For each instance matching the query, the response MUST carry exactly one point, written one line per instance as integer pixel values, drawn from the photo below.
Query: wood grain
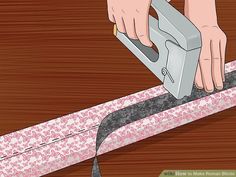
(58, 57)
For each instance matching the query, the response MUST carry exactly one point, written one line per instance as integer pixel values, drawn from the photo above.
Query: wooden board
(59, 57)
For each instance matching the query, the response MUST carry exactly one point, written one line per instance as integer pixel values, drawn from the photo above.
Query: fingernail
(150, 44)
(219, 87)
(198, 86)
(209, 90)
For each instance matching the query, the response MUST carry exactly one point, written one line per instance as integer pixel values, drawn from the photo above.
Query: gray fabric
(144, 109)
(95, 170)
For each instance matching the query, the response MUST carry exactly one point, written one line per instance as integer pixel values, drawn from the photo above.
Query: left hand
(211, 66)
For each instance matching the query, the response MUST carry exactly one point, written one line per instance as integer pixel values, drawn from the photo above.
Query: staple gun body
(179, 44)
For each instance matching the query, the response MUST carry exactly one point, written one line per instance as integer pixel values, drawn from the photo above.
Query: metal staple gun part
(179, 44)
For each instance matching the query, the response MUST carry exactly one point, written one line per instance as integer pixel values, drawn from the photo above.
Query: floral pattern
(70, 139)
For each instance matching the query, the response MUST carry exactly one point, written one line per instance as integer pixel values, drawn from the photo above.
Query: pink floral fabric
(61, 142)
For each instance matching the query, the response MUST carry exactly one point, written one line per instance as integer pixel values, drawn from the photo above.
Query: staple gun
(179, 45)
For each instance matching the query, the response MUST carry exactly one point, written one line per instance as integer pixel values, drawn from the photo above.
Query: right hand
(131, 17)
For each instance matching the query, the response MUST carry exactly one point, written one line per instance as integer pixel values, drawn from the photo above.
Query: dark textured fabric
(95, 170)
(147, 108)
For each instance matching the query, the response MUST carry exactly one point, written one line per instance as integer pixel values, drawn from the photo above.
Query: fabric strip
(70, 139)
(138, 111)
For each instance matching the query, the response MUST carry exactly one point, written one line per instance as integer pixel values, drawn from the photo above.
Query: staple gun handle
(177, 25)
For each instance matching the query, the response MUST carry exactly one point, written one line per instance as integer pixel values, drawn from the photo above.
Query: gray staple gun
(179, 44)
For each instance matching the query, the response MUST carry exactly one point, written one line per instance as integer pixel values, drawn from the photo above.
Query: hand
(211, 67)
(131, 17)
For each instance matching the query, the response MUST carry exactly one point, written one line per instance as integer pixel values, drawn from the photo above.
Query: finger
(222, 54)
(130, 28)
(112, 18)
(120, 24)
(205, 66)
(111, 15)
(198, 78)
(216, 64)
(142, 29)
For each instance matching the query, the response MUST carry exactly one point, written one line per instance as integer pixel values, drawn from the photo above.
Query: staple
(95, 125)
(85, 130)
(42, 144)
(4, 156)
(68, 135)
(81, 130)
(55, 139)
(28, 148)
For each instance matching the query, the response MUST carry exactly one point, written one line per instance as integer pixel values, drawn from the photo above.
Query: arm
(210, 71)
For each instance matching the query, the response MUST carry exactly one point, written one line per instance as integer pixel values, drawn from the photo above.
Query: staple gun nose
(179, 45)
